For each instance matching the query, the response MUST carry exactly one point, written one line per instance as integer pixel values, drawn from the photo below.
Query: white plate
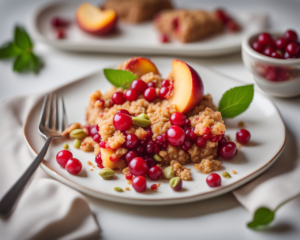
(261, 119)
(136, 39)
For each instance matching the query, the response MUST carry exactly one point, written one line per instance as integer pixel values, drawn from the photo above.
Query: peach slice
(188, 87)
(93, 20)
(139, 66)
(105, 156)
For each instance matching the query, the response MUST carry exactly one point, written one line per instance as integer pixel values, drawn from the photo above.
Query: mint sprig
(21, 49)
(119, 78)
(235, 101)
(262, 217)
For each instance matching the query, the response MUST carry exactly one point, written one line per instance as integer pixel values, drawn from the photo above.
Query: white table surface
(218, 218)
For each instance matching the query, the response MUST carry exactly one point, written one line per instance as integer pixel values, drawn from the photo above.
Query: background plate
(261, 119)
(136, 39)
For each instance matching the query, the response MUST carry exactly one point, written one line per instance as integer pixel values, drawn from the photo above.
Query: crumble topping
(208, 165)
(181, 171)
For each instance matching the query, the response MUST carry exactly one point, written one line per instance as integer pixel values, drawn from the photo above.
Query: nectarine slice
(105, 156)
(139, 66)
(94, 20)
(188, 87)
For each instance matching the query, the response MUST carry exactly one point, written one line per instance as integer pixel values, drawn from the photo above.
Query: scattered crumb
(94, 166)
(208, 165)
(181, 171)
(158, 185)
(129, 181)
(196, 186)
(238, 144)
(228, 138)
(241, 124)
(233, 171)
(127, 188)
(89, 163)
(91, 169)
(125, 170)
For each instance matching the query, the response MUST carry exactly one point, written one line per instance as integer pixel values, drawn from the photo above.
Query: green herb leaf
(262, 217)
(22, 39)
(22, 62)
(119, 78)
(236, 100)
(9, 50)
(35, 63)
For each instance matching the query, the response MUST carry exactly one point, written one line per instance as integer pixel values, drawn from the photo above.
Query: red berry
(258, 47)
(140, 149)
(130, 155)
(62, 157)
(207, 136)
(286, 55)
(122, 121)
(149, 134)
(292, 49)
(232, 26)
(187, 123)
(131, 141)
(213, 180)
(164, 93)
(216, 138)
(156, 148)
(131, 95)
(223, 141)
(154, 173)
(149, 148)
(166, 83)
(206, 130)
(100, 165)
(281, 43)
(139, 184)
(275, 55)
(186, 145)
(264, 38)
(222, 16)
(102, 144)
(150, 162)
(201, 142)
(118, 98)
(154, 186)
(175, 135)
(163, 38)
(98, 159)
(243, 136)
(272, 73)
(193, 136)
(151, 84)
(228, 150)
(164, 145)
(150, 94)
(73, 166)
(138, 167)
(60, 34)
(290, 36)
(123, 111)
(139, 85)
(57, 22)
(268, 51)
(177, 119)
(128, 176)
(97, 138)
(94, 130)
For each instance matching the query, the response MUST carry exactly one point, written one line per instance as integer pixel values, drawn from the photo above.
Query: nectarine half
(139, 66)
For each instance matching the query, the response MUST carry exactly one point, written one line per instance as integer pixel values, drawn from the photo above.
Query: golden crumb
(238, 144)
(241, 124)
(181, 171)
(233, 171)
(125, 170)
(158, 185)
(127, 188)
(91, 169)
(129, 182)
(89, 163)
(88, 144)
(207, 166)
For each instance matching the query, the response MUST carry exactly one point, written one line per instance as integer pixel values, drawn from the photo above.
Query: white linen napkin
(47, 209)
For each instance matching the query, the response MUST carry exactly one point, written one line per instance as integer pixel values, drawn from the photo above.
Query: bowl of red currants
(274, 60)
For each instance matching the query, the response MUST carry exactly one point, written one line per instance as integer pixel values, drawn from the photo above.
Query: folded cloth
(47, 209)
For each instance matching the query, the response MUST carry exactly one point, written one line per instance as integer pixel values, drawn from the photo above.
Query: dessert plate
(136, 39)
(261, 119)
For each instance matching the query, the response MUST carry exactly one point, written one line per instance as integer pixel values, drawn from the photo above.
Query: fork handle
(8, 201)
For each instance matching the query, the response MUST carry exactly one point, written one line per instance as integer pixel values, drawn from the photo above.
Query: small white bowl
(263, 67)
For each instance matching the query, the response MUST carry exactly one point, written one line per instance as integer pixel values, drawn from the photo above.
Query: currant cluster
(229, 23)
(59, 24)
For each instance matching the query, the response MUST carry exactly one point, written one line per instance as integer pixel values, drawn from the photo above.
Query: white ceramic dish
(258, 64)
(261, 119)
(135, 39)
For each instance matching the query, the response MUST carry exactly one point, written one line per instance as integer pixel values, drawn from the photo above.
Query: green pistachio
(141, 122)
(66, 146)
(226, 175)
(118, 189)
(106, 173)
(168, 172)
(77, 143)
(157, 157)
(144, 116)
(78, 134)
(174, 182)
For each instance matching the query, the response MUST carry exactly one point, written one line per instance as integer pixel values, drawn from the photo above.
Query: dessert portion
(136, 11)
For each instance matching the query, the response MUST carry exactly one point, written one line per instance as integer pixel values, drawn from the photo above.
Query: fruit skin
(139, 184)
(150, 94)
(138, 167)
(213, 180)
(86, 15)
(154, 173)
(188, 87)
(105, 155)
(139, 66)
(243, 136)
(228, 150)
(122, 121)
(73, 166)
(177, 119)
(62, 157)
(175, 135)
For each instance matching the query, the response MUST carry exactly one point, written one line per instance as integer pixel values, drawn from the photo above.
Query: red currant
(97, 138)
(123, 111)
(98, 159)
(150, 94)
(166, 83)
(163, 38)
(139, 184)
(118, 98)
(177, 119)
(154, 186)
(122, 121)
(292, 49)
(175, 135)
(281, 43)
(264, 38)
(151, 84)
(131, 95)
(138, 167)
(223, 141)
(187, 123)
(213, 180)
(131, 141)
(222, 15)
(73, 166)
(139, 85)
(290, 36)
(275, 55)
(128, 176)
(268, 51)
(130, 155)
(257, 46)
(200, 142)
(150, 162)
(154, 173)
(93, 130)
(186, 145)
(164, 93)
(228, 150)
(243, 136)
(62, 157)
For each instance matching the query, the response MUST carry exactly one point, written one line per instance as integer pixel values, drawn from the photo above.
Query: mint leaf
(22, 39)
(35, 63)
(22, 62)
(9, 50)
(262, 217)
(119, 78)
(236, 100)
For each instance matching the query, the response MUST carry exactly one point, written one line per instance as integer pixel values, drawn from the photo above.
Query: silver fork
(49, 128)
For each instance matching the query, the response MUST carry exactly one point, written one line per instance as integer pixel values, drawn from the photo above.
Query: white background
(218, 218)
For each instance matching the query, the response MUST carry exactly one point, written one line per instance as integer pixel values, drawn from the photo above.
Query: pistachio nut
(168, 172)
(78, 134)
(141, 122)
(144, 116)
(174, 182)
(157, 157)
(66, 146)
(226, 175)
(118, 189)
(106, 173)
(77, 143)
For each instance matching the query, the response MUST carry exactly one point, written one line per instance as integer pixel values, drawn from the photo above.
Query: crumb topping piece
(208, 165)
(181, 171)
